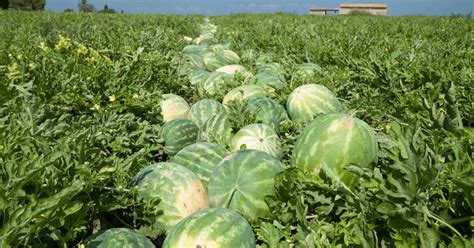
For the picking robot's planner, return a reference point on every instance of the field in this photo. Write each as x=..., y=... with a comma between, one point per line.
x=80, y=116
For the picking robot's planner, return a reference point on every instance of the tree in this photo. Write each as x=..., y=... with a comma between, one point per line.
x=26, y=4
x=84, y=6
x=3, y=4
x=107, y=10
x=68, y=10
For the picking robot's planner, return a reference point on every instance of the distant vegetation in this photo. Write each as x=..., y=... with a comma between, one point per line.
x=23, y=4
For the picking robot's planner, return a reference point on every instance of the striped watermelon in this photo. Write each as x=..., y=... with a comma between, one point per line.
x=242, y=181
x=118, y=237
x=335, y=140
x=217, y=129
x=220, y=58
x=179, y=191
x=178, y=134
x=173, y=107
x=234, y=69
x=244, y=93
x=215, y=83
x=269, y=81
x=201, y=158
x=307, y=70
x=271, y=68
x=212, y=227
x=309, y=100
x=198, y=76
x=259, y=137
x=196, y=49
x=267, y=111
x=204, y=109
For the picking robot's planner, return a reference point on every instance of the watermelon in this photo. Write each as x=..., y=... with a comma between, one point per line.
x=215, y=83
x=267, y=111
x=269, y=81
x=198, y=76
x=173, y=107
x=178, y=134
x=196, y=49
x=259, y=137
x=307, y=70
x=242, y=181
x=335, y=140
x=234, y=69
x=244, y=93
x=201, y=158
x=204, y=109
x=220, y=58
x=309, y=100
x=118, y=237
x=179, y=191
x=212, y=227
x=271, y=68
x=217, y=129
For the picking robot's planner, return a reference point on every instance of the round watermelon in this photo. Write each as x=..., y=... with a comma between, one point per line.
x=271, y=68
x=178, y=134
x=334, y=141
x=201, y=158
x=267, y=111
x=233, y=69
x=242, y=181
x=118, y=237
x=244, y=93
x=214, y=84
x=217, y=129
x=307, y=101
x=259, y=137
x=173, y=107
x=269, y=81
x=179, y=191
x=213, y=227
x=220, y=58
x=307, y=70
x=204, y=109
x=197, y=77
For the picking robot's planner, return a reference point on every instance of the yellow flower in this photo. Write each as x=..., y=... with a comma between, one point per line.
x=108, y=61
x=13, y=71
x=135, y=96
x=81, y=49
x=97, y=106
x=32, y=65
x=42, y=45
x=112, y=98
x=63, y=43
x=93, y=57
x=19, y=56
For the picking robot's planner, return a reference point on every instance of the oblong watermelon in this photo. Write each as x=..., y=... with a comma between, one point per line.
x=270, y=82
x=259, y=137
x=173, y=107
x=201, y=158
x=244, y=93
x=197, y=77
x=213, y=227
x=214, y=84
x=271, y=68
x=118, y=237
x=178, y=134
x=307, y=70
x=242, y=181
x=335, y=140
x=179, y=190
x=217, y=129
x=267, y=111
x=204, y=109
x=309, y=100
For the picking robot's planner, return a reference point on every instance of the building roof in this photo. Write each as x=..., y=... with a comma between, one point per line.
x=363, y=6
x=324, y=9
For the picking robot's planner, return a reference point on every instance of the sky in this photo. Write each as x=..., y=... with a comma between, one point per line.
x=223, y=7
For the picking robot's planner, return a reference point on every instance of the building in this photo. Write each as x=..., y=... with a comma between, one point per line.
x=322, y=11
x=348, y=8
x=374, y=9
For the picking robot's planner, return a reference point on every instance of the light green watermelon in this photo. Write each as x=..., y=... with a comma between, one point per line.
x=197, y=77
x=235, y=69
x=259, y=137
x=307, y=70
x=214, y=84
x=118, y=237
x=178, y=134
x=244, y=93
x=220, y=58
x=196, y=49
x=271, y=68
x=335, y=140
x=217, y=129
x=204, y=109
x=267, y=111
x=269, y=81
x=242, y=181
x=173, y=107
x=201, y=158
x=309, y=100
x=179, y=191
x=213, y=227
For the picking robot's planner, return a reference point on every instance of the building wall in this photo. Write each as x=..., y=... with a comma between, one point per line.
x=317, y=12
x=346, y=11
